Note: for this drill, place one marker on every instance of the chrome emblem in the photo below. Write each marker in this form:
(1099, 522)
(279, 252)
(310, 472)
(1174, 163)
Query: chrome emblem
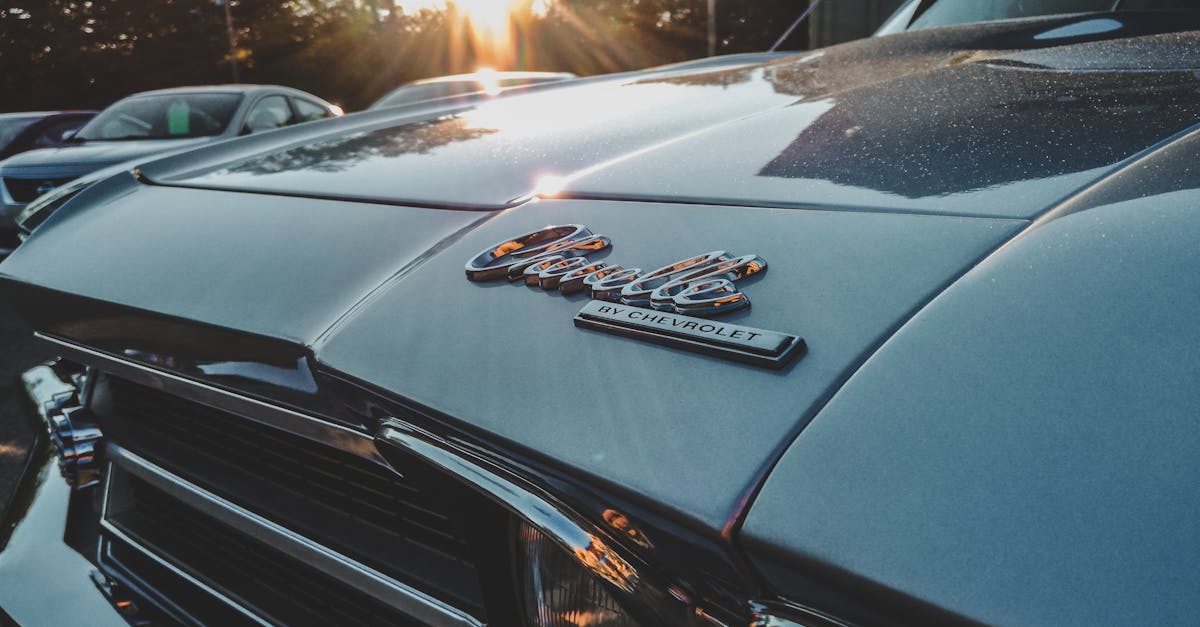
(45, 187)
(670, 305)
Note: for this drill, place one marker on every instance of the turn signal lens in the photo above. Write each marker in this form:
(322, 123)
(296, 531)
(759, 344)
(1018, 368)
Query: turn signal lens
(559, 592)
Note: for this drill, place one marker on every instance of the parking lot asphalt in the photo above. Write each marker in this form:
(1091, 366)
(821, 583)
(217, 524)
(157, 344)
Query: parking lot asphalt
(18, 429)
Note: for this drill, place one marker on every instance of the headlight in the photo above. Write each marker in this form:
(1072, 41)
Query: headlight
(564, 570)
(558, 592)
(43, 206)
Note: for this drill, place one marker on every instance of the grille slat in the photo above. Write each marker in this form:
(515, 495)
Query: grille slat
(257, 576)
(407, 527)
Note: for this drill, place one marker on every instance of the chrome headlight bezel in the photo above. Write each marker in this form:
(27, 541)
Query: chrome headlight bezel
(639, 589)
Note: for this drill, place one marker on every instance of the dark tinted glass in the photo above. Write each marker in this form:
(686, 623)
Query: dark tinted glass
(52, 135)
(11, 127)
(166, 116)
(1156, 5)
(947, 12)
(933, 13)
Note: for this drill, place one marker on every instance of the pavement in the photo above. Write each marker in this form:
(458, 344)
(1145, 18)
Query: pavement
(18, 430)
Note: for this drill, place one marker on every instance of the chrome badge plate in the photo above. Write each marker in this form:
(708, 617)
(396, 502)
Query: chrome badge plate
(670, 306)
(745, 344)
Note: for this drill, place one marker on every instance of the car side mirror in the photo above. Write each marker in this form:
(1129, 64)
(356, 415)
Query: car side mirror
(68, 135)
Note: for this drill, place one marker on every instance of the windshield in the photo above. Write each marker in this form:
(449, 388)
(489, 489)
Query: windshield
(11, 127)
(922, 14)
(165, 116)
(443, 89)
(427, 91)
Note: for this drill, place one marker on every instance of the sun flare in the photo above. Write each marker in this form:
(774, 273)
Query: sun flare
(486, 27)
(488, 16)
(484, 15)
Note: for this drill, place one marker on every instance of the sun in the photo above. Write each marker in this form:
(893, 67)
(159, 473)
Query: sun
(485, 31)
(491, 16)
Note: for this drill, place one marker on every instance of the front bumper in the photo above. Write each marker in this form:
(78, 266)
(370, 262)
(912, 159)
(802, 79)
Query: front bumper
(44, 577)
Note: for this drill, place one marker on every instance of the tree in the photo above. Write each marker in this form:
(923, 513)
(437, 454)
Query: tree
(88, 53)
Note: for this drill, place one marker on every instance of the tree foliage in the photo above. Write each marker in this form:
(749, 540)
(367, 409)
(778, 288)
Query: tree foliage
(87, 53)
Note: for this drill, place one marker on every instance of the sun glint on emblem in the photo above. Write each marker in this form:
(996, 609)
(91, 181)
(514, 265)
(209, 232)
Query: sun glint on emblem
(670, 305)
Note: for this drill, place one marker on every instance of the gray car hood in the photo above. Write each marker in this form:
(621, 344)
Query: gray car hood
(379, 295)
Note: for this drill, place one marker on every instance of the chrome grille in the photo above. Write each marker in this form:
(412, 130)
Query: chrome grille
(275, 586)
(410, 527)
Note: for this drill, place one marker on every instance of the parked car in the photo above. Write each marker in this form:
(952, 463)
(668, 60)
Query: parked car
(150, 123)
(496, 363)
(489, 82)
(20, 132)
(723, 61)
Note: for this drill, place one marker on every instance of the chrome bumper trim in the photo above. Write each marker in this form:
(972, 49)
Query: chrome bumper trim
(294, 422)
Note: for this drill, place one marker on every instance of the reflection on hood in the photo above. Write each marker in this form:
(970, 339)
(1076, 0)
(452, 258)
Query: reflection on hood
(336, 155)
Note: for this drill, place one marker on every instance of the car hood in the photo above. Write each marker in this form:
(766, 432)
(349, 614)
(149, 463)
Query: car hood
(990, 119)
(377, 294)
(94, 155)
(857, 239)
(1024, 433)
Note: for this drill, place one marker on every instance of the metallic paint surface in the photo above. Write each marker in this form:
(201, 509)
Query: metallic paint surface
(526, 137)
(1014, 370)
(988, 119)
(1024, 450)
(845, 277)
(838, 279)
(985, 134)
(284, 268)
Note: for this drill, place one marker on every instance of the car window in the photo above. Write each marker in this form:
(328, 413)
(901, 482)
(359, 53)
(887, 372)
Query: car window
(527, 80)
(12, 126)
(428, 91)
(269, 113)
(52, 135)
(163, 116)
(921, 14)
(307, 111)
(945, 13)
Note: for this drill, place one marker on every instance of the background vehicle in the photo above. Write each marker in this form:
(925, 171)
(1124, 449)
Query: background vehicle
(315, 408)
(148, 123)
(42, 129)
(725, 61)
(488, 82)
